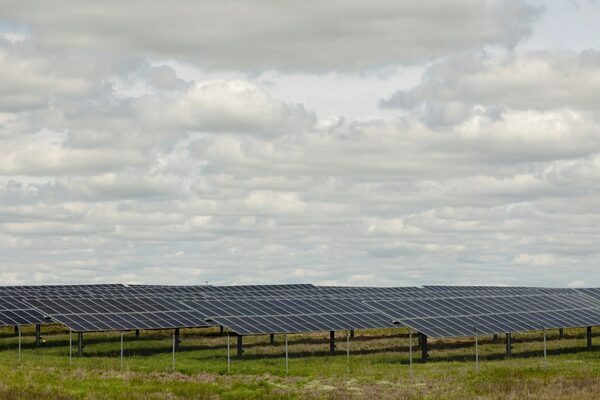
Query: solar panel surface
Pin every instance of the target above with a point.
(247, 317)
(463, 316)
(98, 314)
(17, 312)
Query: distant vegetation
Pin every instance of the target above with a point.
(378, 368)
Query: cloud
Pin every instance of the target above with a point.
(192, 153)
(540, 81)
(258, 34)
(27, 82)
(237, 106)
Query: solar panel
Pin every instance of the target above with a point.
(492, 290)
(100, 314)
(248, 317)
(127, 321)
(17, 312)
(31, 291)
(592, 292)
(333, 292)
(463, 316)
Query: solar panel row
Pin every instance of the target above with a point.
(257, 309)
(263, 324)
(17, 312)
(463, 316)
(94, 322)
(456, 326)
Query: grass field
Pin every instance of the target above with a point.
(378, 368)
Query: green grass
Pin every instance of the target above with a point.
(378, 368)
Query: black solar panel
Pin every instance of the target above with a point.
(98, 314)
(133, 320)
(248, 317)
(84, 305)
(17, 312)
(463, 316)
(592, 292)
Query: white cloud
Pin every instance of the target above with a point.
(167, 156)
(538, 260)
(258, 34)
(26, 81)
(450, 89)
(237, 106)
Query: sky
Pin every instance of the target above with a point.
(377, 143)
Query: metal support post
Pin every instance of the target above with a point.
(410, 356)
(121, 350)
(38, 335)
(19, 329)
(70, 349)
(545, 351)
(424, 347)
(286, 355)
(228, 354)
(348, 352)
(174, 345)
(80, 344)
(137, 333)
(351, 333)
(240, 346)
(508, 345)
(16, 330)
(561, 333)
(495, 338)
(177, 341)
(272, 339)
(588, 336)
(476, 351)
(332, 342)
(221, 329)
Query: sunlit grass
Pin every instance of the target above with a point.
(378, 367)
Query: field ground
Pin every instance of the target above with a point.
(378, 367)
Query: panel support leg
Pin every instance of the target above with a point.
(16, 330)
(173, 359)
(240, 346)
(19, 329)
(80, 344)
(410, 356)
(495, 338)
(588, 336)
(272, 339)
(351, 333)
(70, 349)
(545, 352)
(424, 347)
(121, 351)
(476, 352)
(38, 335)
(348, 352)
(137, 333)
(228, 354)
(287, 366)
(221, 330)
(508, 345)
(561, 333)
(332, 342)
(177, 342)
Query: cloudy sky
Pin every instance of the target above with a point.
(364, 143)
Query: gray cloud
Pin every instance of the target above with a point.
(123, 159)
(535, 81)
(260, 34)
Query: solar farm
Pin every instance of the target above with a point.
(404, 336)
